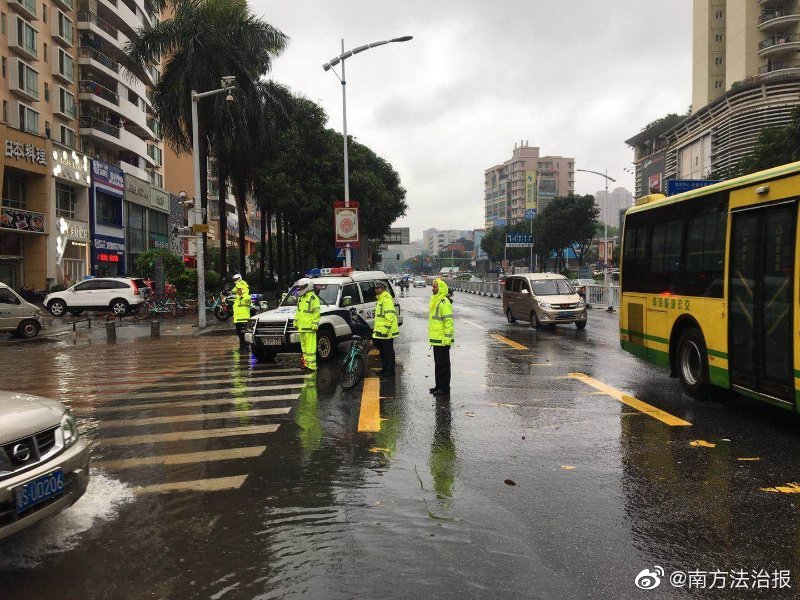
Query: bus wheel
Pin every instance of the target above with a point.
(693, 363)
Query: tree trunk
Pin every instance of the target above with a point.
(222, 176)
(262, 251)
(268, 207)
(296, 243)
(279, 247)
(241, 211)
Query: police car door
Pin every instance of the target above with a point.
(367, 307)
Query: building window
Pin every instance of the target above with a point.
(718, 14)
(28, 79)
(109, 209)
(66, 65)
(27, 37)
(156, 154)
(64, 27)
(717, 85)
(5, 111)
(2, 22)
(66, 103)
(158, 223)
(157, 179)
(719, 60)
(14, 192)
(47, 92)
(65, 201)
(719, 37)
(28, 119)
(44, 13)
(66, 136)
(5, 62)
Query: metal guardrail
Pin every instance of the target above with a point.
(598, 296)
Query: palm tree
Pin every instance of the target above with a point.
(202, 42)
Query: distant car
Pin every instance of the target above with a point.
(44, 465)
(580, 285)
(419, 282)
(119, 295)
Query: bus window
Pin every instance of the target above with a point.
(665, 256)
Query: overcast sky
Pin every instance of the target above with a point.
(575, 77)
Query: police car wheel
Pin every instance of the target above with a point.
(326, 345)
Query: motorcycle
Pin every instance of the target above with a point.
(224, 307)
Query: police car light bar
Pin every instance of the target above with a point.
(329, 271)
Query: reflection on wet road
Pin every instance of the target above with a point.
(560, 467)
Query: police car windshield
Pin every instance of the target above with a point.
(326, 292)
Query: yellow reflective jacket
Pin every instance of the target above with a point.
(243, 285)
(385, 318)
(440, 318)
(307, 317)
(241, 307)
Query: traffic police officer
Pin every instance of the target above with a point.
(241, 307)
(307, 321)
(385, 329)
(440, 336)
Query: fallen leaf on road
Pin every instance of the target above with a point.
(510, 482)
(702, 444)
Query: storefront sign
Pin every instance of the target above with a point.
(109, 243)
(159, 199)
(71, 166)
(107, 175)
(346, 225)
(156, 240)
(27, 152)
(21, 220)
(76, 230)
(137, 190)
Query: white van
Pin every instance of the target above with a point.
(17, 316)
(273, 331)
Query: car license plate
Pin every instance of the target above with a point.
(273, 342)
(564, 315)
(40, 489)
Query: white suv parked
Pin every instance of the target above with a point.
(273, 331)
(117, 294)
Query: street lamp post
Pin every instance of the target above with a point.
(605, 222)
(228, 83)
(328, 66)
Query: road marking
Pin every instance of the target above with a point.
(509, 342)
(702, 444)
(187, 404)
(200, 485)
(468, 322)
(369, 418)
(214, 416)
(226, 391)
(568, 467)
(789, 488)
(743, 458)
(181, 436)
(652, 411)
(181, 459)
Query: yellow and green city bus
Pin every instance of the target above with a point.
(710, 285)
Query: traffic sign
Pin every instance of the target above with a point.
(519, 240)
(200, 228)
(340, 254)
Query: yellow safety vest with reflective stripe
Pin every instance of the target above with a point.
(440, 319)
(307, 317)
(241, 308)
(385, 318)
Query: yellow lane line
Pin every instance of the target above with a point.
(200, 485)
(369, 418)
(181, 459)
(509, 342)
(181, 436)
(214, 416)
(647, 409)
(88, 412)
(789, 488)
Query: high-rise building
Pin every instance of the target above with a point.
(433, 240)
(745, 77)
(526, 176)
(610, 204)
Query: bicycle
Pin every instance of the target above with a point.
(354, 363)
(153, 306)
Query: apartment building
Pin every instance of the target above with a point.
(433, 240)
(745, 77)
(610, 203)
(527, 177)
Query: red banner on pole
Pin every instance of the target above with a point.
(346, 224)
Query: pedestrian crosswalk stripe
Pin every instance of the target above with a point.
(187, 404)
(200, 485)
(180, 436)
(228, 394)
(168, 383)
(231, 388)
(180, 459)
(213, 416)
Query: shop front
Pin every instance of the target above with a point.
(137, 201)
(24, 210)
(107, 228)
(70, 240)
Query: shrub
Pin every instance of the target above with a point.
(172, 264)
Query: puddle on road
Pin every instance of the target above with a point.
(102, 499)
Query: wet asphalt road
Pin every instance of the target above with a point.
(216, 477)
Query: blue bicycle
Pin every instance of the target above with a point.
(355, 363)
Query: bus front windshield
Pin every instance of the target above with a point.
(326, 292)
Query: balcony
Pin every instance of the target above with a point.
(776, 17)
(90, 54)
(774, 66)
(98, 125)
(779, 44)
(97, 90)
(100, 26)
(24, 7)
(68, 4)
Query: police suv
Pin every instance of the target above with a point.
(340, 290)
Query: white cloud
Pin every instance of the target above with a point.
(576, 78)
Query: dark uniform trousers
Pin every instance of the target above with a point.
(386, 350)
(441, 361)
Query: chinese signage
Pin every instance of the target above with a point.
(137, 190)
(107, 175)
(21, 220)
(530, 194)
(76, 230)
(156, 240)
(346, 225)
(26, 152)
(102, 242)
(159, 199)
(71, 166)
(519, 240)
(676, 186)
